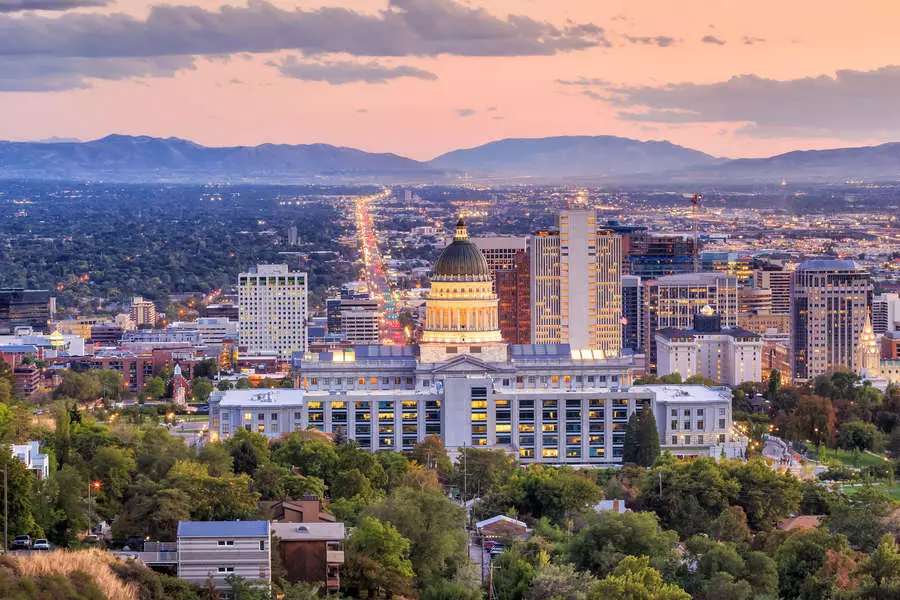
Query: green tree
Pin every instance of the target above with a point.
(774, 384)
(201, 388)
(765, 494)
(224, 385)
(600, 546)
(377, 559)
(881, 571)
(863, 517)
(208, 368)
(724, 586)
(431, 454)
(560, 582)
(857, 435)
(513, 574)
(248, 449)
(217, 459)
(20, 496)
(761, 574)
(114, 468)
(154, 388)
(111, 384)
(801, 555)
(635, 579)
(83, 387)
(641, 438)
(434, 527)
(479, 471)
(395, 467)
(813, 419)
(243, 384)
(314, 458)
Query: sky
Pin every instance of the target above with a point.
(418, 78)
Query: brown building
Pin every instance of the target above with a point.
(510, 266)
(309, 542)
(754, 300)
(28, 380)
(764, 322)
(890, 346)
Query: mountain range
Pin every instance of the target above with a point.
(553, 159)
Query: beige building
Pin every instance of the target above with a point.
(142, 312)
(272, 305)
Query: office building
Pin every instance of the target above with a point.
(510, 267)
(762, 322)
(658, 255)
(221, 311)
(753, 300)
(272, 303)
(632, 313)
(890, 345)
(779, 283)
(829, 306)
(576, 284)
(672, 302)
(292, 235)
(142, 312)
(217, 549)
(731, 263)
(214, 331)
(885, 313)
(360, 322)
(24, 308)
(728, 356)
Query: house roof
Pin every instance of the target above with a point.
(801, 522)
(220, 529)
(500, 519)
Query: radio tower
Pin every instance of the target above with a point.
(695, 217)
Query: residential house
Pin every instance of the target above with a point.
(218, 549)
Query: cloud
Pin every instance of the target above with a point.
(849, 104)
(43, 74)
(663, 41)
(343, 72)
(583, 82)
(711, 39)
(405, 28)
(749, 41)
(465, 112)
(11, 6)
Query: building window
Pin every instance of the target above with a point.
(225, 543)
(226, 569)
(262, 545)
(674, 440)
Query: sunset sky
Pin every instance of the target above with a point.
(421, 77)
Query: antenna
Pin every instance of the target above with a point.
(695, 217)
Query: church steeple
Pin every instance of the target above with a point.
(461, 232)
(868, 355)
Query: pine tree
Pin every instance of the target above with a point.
(641, 438)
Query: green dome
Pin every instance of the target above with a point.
(461, 260)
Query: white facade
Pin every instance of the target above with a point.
(273, 311)
(34, 460)
(215, 330)
(885, 313)
(218, 549)
(729, 357)
(360, 322)
(576, 284)
(272, 412)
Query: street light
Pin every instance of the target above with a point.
(93, 485)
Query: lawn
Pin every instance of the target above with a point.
(851, 459)
(891, 490)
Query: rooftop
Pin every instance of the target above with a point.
(220, 529)
(828, 264)
(259, 397)
(735, 332)
(688, 393)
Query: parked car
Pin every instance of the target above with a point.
(21, 542)
(41, 544)
(91, 539)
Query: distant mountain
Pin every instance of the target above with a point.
(868, 163)
(572, 156)
(141, 158)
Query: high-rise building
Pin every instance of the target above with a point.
(632, 313)
(272, 302)
(24, 308)
(142, 312)
(779, 282)
(510, 267)
(829, 306)
(576, 284)
(659, 255)
(885, 313)
(360, 322)
(754, 300)
(727, 262)
(292, 235)
(673, 301)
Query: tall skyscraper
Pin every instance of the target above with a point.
(829, 308)
(779, 282)
(727, 262)
(24, 308)
(754, 300)
(142, 312)
(632, 313)
(510, 267)
(885, 313)
(272, 303)
(576, 284)
(673, 301)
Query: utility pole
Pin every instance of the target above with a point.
(491, 582)
(5, 509)
(660, 483)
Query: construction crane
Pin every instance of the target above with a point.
(695, 217)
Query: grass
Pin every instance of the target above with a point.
(891, 490)
(849, 459)
(94, 563)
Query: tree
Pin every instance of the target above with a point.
(724, 586)
(512, 575)
(114, 468)
(635, 579)
(208, 368)
(217, 458)
(224, 385)
(774, 384)
(62, 439)
(248, 449)
(641, 438)
(243, 384)
(560, 582)
(539, 491)
(83, 387)
(863, 517)
(765, 494)
(201, 388)
(377, 559)
(600, 546)
(314, 458)
(111, 384)
(881, 571)
(857, 435)
(479, 471)
(434, 527)
(731, 526)
(154, 388)
(801, 555)
(431, 454)
(761, 573)
(813, 419)
(395, 467)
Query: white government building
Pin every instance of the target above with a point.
(544, 402)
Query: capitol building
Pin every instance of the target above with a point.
(543, 403)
